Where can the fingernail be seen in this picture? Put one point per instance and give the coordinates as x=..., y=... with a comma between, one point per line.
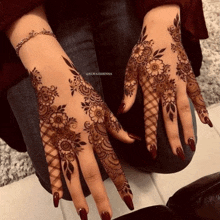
x=207, y=121
x=128, y=202
x=134, y=136
x=192, y=144
x=105, y=216
x=121, y=108
x=56, y=199
x=83, y=214
x=180, y=153
x=153, y=151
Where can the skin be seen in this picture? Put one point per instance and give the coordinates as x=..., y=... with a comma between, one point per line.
x=160, y=65
x=74, y=120
x=71, y=131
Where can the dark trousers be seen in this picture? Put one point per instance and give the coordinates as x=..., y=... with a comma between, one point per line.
x=98, y=36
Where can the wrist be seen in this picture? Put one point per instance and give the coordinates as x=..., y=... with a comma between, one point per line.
x=160, y=18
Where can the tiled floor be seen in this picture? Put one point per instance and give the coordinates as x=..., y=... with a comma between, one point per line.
x=27, y=200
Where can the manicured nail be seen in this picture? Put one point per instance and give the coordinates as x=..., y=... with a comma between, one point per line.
x=105, y=216
x=121, y=108
x=128, y=202
x=153, y=151
x=56, y=199
x=180, y=153
x=83, y=214
x=207, y=121
x=192, y=144
x=134, y=136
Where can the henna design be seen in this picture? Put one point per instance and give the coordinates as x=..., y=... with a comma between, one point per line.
x=101, y=117
x=57, y=130
x=146, y=66
x=93, y=105
x=184, y=69
x=99, y=139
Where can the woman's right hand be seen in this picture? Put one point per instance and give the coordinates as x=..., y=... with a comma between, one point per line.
x=73, y=123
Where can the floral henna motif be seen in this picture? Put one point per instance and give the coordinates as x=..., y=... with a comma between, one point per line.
x=147, y=64
x=93, y=105
x=57, y=129
x=184, y=69
x=101, y=117
x=147, y=67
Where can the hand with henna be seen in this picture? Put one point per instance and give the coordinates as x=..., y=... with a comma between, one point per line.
x=74, y=124
x=74, y=120
x=160, y=65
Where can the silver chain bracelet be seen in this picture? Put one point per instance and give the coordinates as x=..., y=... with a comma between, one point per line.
x=31, y=35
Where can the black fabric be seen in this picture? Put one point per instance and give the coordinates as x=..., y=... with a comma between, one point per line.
x=199, y=200
x=9, y=129
x=151, y=213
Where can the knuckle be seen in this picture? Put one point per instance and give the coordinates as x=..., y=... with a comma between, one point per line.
x=100, y=199
x=91, y=176
x=184, y=107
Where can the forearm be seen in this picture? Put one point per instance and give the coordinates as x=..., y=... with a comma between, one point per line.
x=42, y=52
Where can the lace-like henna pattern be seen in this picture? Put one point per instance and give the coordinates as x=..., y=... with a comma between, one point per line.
x=146, y=66
x=57, y=131
x=184, y=69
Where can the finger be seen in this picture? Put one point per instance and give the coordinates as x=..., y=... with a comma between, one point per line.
x=99, y=138
x=195, y=95
x=53, y=161
x=68, y=154
x=130, y=87
x=116, y=130
x=92, y=176
x=170, y=121
x=185, y=115
x=151, y=108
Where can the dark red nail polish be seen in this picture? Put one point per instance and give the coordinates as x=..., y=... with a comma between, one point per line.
x=56, y=199
x=153, y=151
x=180, y=153
x=105, y=216
x=128, y=202
x=121, y=108
x=207, y=121
x=83, y=214
x=192, y=144
x=134, y=136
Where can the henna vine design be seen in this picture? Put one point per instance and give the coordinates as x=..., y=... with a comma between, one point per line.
x=57, y=129
x=100, y=117
x=184, y=69
x=146, y=66
x=99, y=139
x=93, y=105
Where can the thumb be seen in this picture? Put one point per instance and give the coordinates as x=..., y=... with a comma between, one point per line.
x=116, y=130
x=130, y=87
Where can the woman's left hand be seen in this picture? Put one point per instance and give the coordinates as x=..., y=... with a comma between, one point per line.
x=160, y=65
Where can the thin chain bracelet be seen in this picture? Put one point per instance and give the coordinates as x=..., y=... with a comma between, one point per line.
x=31, y=35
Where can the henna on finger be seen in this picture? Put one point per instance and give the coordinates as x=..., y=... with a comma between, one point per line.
x=99, y=139
x=156, y=83
x=100, y=119
x=57, y=132
x=185, y=72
